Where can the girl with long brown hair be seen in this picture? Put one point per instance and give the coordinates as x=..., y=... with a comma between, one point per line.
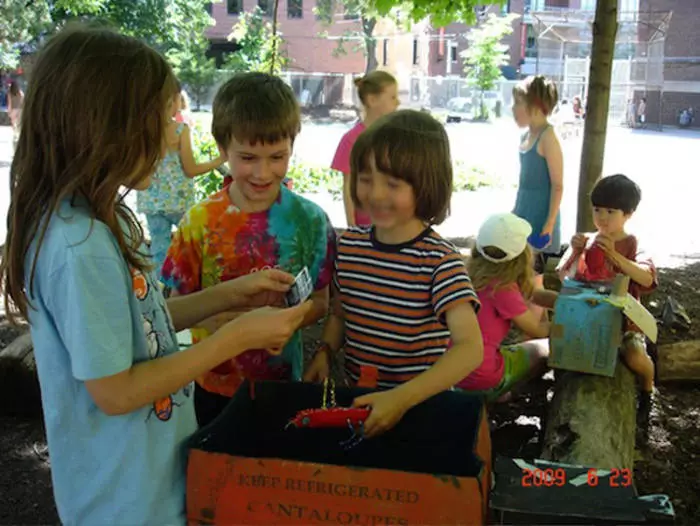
x=502, y=274
x=116, y=390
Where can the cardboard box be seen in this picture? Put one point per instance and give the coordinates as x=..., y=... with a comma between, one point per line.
x=543, y=492
x=432, y=468
x=586, y=331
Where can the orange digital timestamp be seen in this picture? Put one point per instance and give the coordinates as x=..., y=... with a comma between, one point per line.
x=619, y=478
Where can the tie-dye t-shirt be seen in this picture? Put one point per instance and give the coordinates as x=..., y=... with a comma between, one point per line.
x=216, y=242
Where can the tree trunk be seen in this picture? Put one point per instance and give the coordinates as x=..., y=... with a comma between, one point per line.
x=679, y=362
x=596, y=122
x=370, y=44
x=592, y=420
x=273, y=63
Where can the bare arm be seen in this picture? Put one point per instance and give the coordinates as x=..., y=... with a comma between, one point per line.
x=189, y=164
x=545, y=298
x=465, y=355
x=347, y=201
x=640, y=274
x=555, y=162
x=531, y=324
x=151, y=380
x=319, y=309
x=147, y=381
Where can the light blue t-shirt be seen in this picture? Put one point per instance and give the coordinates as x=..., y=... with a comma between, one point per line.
x=94, y=318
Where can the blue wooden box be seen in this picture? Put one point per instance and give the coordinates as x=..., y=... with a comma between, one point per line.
x=586, y=330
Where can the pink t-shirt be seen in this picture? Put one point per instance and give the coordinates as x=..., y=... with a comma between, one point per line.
x=341, y=162
x=498, y=308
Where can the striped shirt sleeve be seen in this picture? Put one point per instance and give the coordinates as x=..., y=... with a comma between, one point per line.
x=451, y=286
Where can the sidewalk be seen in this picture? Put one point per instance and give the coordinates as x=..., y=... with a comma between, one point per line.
x=664, y=223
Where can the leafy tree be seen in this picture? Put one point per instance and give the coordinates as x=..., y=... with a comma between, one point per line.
x=188, y=50
x=259, y=49
x=486, y=54
x=21, y=21
x=363, y=40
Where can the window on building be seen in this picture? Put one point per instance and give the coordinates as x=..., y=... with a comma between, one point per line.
x=266, y=6
x=628, y=9
x=295, y=9
x=415, y=51
x=588, y=5
x=505, y=8
x=453, y=52
x=558, y=4
x=234, y=7
x=385, y=52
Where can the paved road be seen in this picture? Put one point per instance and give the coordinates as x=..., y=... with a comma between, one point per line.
x=664, y=164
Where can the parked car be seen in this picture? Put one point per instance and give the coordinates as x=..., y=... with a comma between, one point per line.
x=459, y=109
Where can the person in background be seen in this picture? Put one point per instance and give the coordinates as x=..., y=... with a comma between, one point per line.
x=501, y=270
x=598, y=257
x=171, y=193
x=15, y=103
x=378, y=93
x=184, y=115
x=541, y=183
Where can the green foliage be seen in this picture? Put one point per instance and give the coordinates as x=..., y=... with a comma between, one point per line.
x=362, y=40
x=205, y=149
x=440, y=12
x=486, y=54
x=259, y=50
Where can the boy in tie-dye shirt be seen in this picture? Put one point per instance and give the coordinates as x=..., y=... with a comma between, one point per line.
x=252, y=224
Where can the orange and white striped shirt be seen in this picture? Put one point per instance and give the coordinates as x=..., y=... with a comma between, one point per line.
x=394, y=300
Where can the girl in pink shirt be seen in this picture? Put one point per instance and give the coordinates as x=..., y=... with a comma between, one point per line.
x=501, y=271
x=378, y=92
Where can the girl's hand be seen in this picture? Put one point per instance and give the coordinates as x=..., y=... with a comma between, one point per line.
x=319, y=368
x=547, y=230
x=388, y=407
x=265, y=328
x=248, y=290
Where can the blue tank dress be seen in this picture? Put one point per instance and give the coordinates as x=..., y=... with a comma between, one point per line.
x=534, y=190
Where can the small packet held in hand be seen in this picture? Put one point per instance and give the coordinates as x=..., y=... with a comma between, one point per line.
x=301, y=289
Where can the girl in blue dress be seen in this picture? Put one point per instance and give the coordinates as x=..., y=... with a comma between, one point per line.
x=541, y=187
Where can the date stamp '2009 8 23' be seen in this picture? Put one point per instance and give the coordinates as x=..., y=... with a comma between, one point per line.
x=618, y=478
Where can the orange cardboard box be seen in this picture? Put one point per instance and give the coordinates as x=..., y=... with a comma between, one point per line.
x=433, y=468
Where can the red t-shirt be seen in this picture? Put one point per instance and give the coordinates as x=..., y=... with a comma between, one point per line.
x=341, y=162
x=498, y=308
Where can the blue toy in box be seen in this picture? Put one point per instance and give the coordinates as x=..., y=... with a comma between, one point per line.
x=587, y=327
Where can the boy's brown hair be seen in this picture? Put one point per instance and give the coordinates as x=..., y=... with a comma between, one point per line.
x=255, y=108
x=414, y=147
x=537, y=92
x=88, y=128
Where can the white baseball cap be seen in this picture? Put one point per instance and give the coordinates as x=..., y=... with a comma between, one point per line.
x=506, y=232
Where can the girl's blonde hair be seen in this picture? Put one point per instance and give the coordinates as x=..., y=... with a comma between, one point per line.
x=87, y=129
x=373, y=83
x=537, y=92
x=518, y=270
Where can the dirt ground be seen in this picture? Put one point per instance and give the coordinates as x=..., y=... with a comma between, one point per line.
x=669, y=464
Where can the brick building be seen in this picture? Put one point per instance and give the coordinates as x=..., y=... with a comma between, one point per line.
x=681, y=86
x=307, y=50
